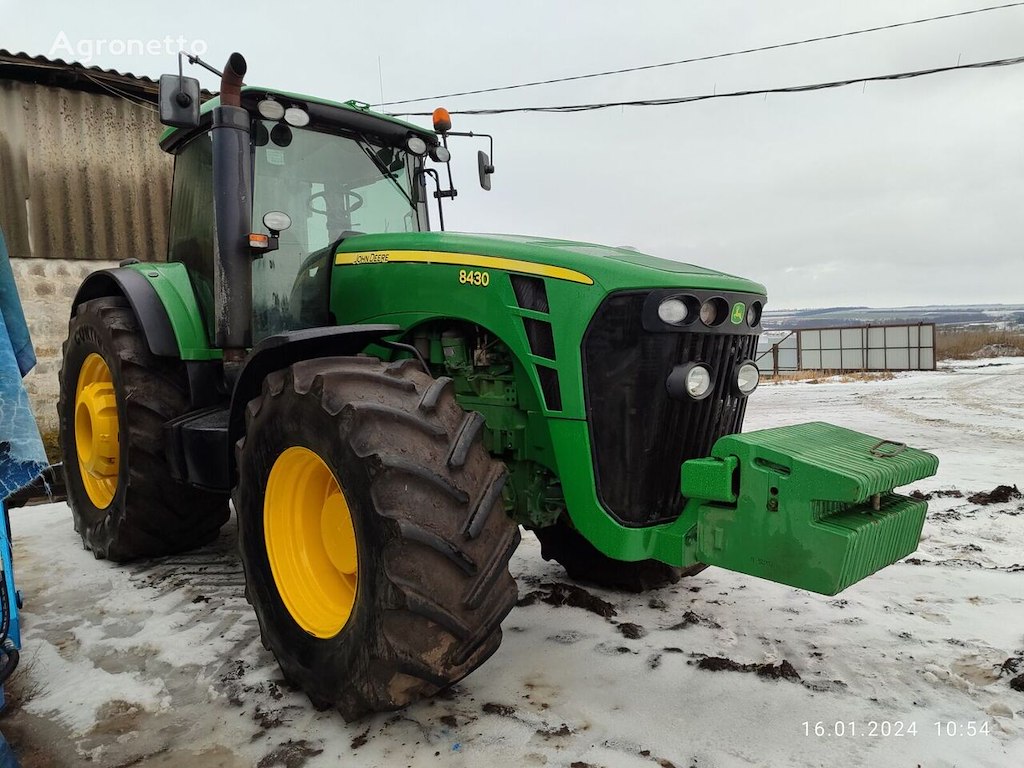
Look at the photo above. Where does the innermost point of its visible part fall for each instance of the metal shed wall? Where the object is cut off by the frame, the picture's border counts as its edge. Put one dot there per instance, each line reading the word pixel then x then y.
pixel 81 175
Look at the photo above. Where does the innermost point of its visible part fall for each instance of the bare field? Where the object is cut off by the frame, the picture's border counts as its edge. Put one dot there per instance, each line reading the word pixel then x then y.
pixel 966 344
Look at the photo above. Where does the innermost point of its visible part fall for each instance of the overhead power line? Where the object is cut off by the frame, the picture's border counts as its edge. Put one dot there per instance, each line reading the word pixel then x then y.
pixel 729 94
pixel 709 57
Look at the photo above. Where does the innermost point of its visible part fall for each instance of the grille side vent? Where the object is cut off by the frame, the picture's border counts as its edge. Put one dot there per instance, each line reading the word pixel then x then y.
pixel 549 386
pixel 542 341
pixel 530 292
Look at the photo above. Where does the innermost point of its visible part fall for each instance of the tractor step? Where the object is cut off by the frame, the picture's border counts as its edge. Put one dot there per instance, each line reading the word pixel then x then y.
pixel 809 505
pixel 197 448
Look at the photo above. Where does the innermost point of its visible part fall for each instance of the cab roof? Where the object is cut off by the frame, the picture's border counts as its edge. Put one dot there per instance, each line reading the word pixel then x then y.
pixel 355 115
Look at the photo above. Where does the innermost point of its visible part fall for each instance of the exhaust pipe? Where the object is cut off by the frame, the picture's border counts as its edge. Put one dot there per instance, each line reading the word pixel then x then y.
pixel 231 81
pixel 232 208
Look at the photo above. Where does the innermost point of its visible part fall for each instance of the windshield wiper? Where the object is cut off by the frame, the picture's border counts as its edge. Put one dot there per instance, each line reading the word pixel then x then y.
pixel 365 146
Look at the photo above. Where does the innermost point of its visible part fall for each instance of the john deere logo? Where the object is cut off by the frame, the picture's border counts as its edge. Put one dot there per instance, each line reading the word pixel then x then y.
pixel 737 312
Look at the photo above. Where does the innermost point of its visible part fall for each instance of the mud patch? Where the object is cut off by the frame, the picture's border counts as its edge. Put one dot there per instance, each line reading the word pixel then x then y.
pixel 1017 683
pixel 555 733
pixel 291 754
pixel 781 671
pixel 952 493
pixel 566 638
pixel 975 669
pixel 654 660
pixel 691 619
pixel 631 631
pixel 362 738
pixel 116 718
pixel 561 594
pixel 608 649
pixel 502 710
pixel 450 693
pixel 268 718
pixel 1011 666
pixel 1001 494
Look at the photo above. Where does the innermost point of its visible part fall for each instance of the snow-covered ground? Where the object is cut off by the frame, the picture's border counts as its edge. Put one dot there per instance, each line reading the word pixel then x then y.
pixel 160 663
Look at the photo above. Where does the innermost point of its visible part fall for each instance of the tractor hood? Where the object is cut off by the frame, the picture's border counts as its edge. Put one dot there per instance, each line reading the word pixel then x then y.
pixel 611 268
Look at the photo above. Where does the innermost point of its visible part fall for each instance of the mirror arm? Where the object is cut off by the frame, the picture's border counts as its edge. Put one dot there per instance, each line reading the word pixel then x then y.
pixel 192 59
pixel 437 183
pixel 470 134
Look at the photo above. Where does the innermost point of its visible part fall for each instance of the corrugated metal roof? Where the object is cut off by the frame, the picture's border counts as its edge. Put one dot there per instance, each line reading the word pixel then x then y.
pixel 26 68
pixel 43 61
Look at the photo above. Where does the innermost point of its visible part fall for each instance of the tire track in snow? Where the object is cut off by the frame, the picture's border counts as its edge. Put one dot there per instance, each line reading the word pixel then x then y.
pixel 987 404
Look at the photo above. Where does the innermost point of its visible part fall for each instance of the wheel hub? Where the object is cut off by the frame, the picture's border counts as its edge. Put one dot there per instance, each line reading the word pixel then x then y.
pixel 96 431
pixel 311 542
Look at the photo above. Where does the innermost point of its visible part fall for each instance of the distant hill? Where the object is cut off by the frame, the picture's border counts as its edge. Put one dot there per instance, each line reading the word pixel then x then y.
pixel 993 315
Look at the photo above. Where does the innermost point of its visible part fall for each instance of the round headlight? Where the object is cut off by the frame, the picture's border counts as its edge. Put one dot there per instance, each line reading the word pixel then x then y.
pixel 673 311
pixel 416 145
pixel 690 380
pixel 271 109
pixel 754 314
pixel 296 117
pixel 698 382
pixel 713 311
pixel 277 221
pixel 747 378
pixel 440 154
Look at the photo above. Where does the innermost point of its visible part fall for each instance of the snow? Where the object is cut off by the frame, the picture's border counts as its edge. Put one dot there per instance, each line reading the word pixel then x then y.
pixel 163 658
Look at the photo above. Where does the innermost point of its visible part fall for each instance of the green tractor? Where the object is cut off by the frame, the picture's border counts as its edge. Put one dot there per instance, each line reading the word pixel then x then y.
pixel 385 405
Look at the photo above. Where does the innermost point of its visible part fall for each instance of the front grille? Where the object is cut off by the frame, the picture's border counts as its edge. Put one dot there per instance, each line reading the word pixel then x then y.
pixel 639 435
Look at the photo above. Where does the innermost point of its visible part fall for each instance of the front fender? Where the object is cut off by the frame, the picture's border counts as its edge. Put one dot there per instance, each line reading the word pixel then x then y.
pixel 143 299
pixel 277 352
pixel 162 299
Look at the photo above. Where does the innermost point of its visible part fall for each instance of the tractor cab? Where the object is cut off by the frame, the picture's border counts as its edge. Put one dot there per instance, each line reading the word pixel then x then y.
pixel 320 172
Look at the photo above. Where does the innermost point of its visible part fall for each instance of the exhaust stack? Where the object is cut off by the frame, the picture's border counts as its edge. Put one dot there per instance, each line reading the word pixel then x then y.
pixel 231 81
pixel 232 207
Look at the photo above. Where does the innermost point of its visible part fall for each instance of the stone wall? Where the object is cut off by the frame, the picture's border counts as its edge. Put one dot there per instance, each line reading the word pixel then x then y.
pixel 47 288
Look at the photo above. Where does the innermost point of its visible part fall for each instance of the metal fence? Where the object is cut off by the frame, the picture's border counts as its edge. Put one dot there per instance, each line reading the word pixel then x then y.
pixel 908 347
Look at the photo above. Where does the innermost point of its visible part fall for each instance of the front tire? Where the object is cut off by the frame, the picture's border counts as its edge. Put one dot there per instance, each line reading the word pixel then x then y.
pixel 115 396
pixel 372 532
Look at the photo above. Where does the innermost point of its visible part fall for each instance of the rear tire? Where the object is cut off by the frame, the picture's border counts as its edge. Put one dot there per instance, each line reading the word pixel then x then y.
pixel 584 562
pixel 139 510
pixel 432 542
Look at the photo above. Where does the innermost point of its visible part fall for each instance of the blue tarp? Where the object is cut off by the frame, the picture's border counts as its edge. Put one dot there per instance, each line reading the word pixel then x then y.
pixel 22 457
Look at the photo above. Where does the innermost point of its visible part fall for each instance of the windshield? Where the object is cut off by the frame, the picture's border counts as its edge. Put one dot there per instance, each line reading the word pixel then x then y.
pixel 331 186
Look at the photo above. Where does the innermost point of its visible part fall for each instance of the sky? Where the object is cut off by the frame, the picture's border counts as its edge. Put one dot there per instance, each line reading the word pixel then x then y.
pixel 889 194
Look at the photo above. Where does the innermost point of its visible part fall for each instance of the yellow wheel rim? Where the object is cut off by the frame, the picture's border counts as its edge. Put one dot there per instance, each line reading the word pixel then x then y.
pixel 311 543
pixel 96 431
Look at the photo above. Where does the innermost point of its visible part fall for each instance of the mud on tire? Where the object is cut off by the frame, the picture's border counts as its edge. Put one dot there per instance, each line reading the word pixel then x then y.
pixel 151 514
pixel 432 539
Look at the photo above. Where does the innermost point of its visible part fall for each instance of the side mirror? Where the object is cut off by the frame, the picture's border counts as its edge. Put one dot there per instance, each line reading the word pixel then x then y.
pixel 484 169
pixel 179 101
